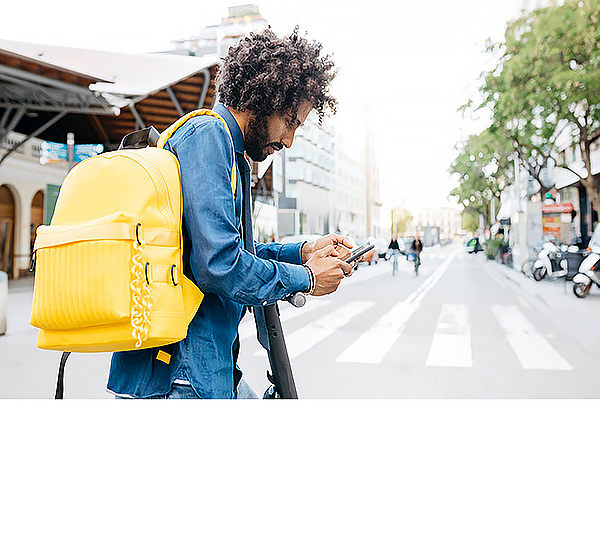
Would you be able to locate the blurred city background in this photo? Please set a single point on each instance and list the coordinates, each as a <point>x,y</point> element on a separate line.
<point>474,125</point>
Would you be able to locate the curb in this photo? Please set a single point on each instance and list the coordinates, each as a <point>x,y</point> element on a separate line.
<point>521,281</point>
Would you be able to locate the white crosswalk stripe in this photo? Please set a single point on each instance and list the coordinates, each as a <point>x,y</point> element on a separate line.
<point>532,349</point>
<point>304,338</point>
<point>451,346</point>
<point>375,343</point>
<point>247,327</point>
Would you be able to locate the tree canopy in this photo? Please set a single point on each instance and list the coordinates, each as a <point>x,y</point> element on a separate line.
<point>544,93</point>
<point>483,168</point>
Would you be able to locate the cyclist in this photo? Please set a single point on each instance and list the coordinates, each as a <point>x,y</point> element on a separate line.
<point>416,248</point>
<point>394,249</point>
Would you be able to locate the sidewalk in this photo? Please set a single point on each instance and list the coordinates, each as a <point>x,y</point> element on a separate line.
<point>578,319</point>
<point>557,294</point>
<point>29,372</point>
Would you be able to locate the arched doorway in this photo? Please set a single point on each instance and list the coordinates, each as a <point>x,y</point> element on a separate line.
<point>37,216</point>
<point>7,230</point>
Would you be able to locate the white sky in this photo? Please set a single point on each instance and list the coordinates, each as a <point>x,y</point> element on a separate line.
<point>415,62</point>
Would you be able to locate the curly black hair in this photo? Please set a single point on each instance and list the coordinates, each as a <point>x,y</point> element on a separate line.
<point>268,75</point>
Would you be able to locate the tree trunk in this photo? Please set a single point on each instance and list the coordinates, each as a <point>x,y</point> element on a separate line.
<point>590,182</point>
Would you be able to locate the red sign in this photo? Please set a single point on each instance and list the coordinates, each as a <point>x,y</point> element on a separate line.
<point>564,208</point>
<point>551,228</point>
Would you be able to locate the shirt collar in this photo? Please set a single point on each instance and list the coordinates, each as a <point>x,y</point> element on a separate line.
<point>236,133</point>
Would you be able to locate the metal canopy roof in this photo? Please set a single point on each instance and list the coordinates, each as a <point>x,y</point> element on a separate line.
<point>117,73</point>
<point>46,90</point>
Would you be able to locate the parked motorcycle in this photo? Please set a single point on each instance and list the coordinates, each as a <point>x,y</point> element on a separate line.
<point>551,261</point>
<point>589,273</point>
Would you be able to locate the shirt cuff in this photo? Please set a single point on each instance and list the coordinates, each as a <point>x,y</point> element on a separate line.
<point>297,278</point>
<point>291,253</point>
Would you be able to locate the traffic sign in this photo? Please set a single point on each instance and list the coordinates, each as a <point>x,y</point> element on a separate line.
<point>53,152</point>
<point>83,151</point>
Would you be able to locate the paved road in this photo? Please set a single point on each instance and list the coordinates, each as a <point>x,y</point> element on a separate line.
<point>464,328</point>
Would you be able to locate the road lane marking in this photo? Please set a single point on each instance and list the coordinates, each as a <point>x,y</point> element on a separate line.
<point>523,302</point>
<point>365,273</point>
<point>372,346</point>
<point>532,349</point>
<point>247,327</point>
<point>304,338</point>
<point>495,278</point>
<point>451,346</point>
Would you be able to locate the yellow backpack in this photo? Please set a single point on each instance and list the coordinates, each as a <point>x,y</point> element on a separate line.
<point>108,269</point>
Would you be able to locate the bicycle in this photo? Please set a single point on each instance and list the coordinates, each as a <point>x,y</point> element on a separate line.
<point>417,262</point>
<point>394,257</point>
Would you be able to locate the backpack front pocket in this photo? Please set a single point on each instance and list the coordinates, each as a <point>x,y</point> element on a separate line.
<point>84,274</point>
<point>82,284</point>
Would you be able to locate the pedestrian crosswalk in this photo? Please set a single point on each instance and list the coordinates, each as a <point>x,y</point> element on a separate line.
<point>452,337</point>
<point>376,342</point>
<point>451,346</point>
<point>531,348</point>
<point>247,328</point>
<point>314,332</point>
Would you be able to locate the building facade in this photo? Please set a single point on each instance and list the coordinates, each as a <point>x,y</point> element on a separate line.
<point>521,212</point>
<point>24,184</point>
<point>358,207</point>
<point>307,172</point>
<point>350,208</point>
<point>216,39</point>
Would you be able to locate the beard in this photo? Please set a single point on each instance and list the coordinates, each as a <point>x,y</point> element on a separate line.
<point>258,141</point>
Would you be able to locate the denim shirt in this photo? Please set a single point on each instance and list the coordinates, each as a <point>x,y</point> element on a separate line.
<point>214,257</point>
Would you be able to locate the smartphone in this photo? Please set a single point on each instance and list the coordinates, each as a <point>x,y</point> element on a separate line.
<point>359,251</point>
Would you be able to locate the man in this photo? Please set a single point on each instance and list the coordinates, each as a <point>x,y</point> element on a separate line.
<point>267,86</point>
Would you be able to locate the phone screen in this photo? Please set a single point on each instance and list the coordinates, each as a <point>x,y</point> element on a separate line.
<point>359,251</point>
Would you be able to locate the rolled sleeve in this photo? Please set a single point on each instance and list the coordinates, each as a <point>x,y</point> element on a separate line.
<point>290,253</point>
<point>219,262</point>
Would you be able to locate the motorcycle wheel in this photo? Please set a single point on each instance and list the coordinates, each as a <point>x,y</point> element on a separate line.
<point>581,290</point>
<point>539,273</point>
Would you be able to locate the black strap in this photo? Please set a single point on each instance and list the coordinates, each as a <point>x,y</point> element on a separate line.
<point>259,316</point>
<point>60,381</point>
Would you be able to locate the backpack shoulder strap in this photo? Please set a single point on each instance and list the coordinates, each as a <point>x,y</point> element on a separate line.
<point>162,140</point>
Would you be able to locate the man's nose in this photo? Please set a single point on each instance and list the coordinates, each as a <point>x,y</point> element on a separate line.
<point>288,140</point>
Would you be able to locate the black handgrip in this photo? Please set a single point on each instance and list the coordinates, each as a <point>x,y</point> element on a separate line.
<point>296,299</point>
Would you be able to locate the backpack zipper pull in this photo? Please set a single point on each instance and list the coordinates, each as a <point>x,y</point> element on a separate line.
<point>32,261</point>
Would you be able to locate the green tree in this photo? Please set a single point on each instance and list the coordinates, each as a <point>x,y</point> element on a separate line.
<point>483,168</point>
<point>545,88</point>
<point>401,219</point>
<point>470,222</point>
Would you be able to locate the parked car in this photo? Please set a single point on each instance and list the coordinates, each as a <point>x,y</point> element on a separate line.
<point>381,246</point>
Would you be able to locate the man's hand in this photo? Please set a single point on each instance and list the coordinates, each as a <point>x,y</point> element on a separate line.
<point>328,269</point>
<point>340,243</point>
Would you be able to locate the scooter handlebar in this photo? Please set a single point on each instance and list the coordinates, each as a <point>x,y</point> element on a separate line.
<point>296,299</point>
